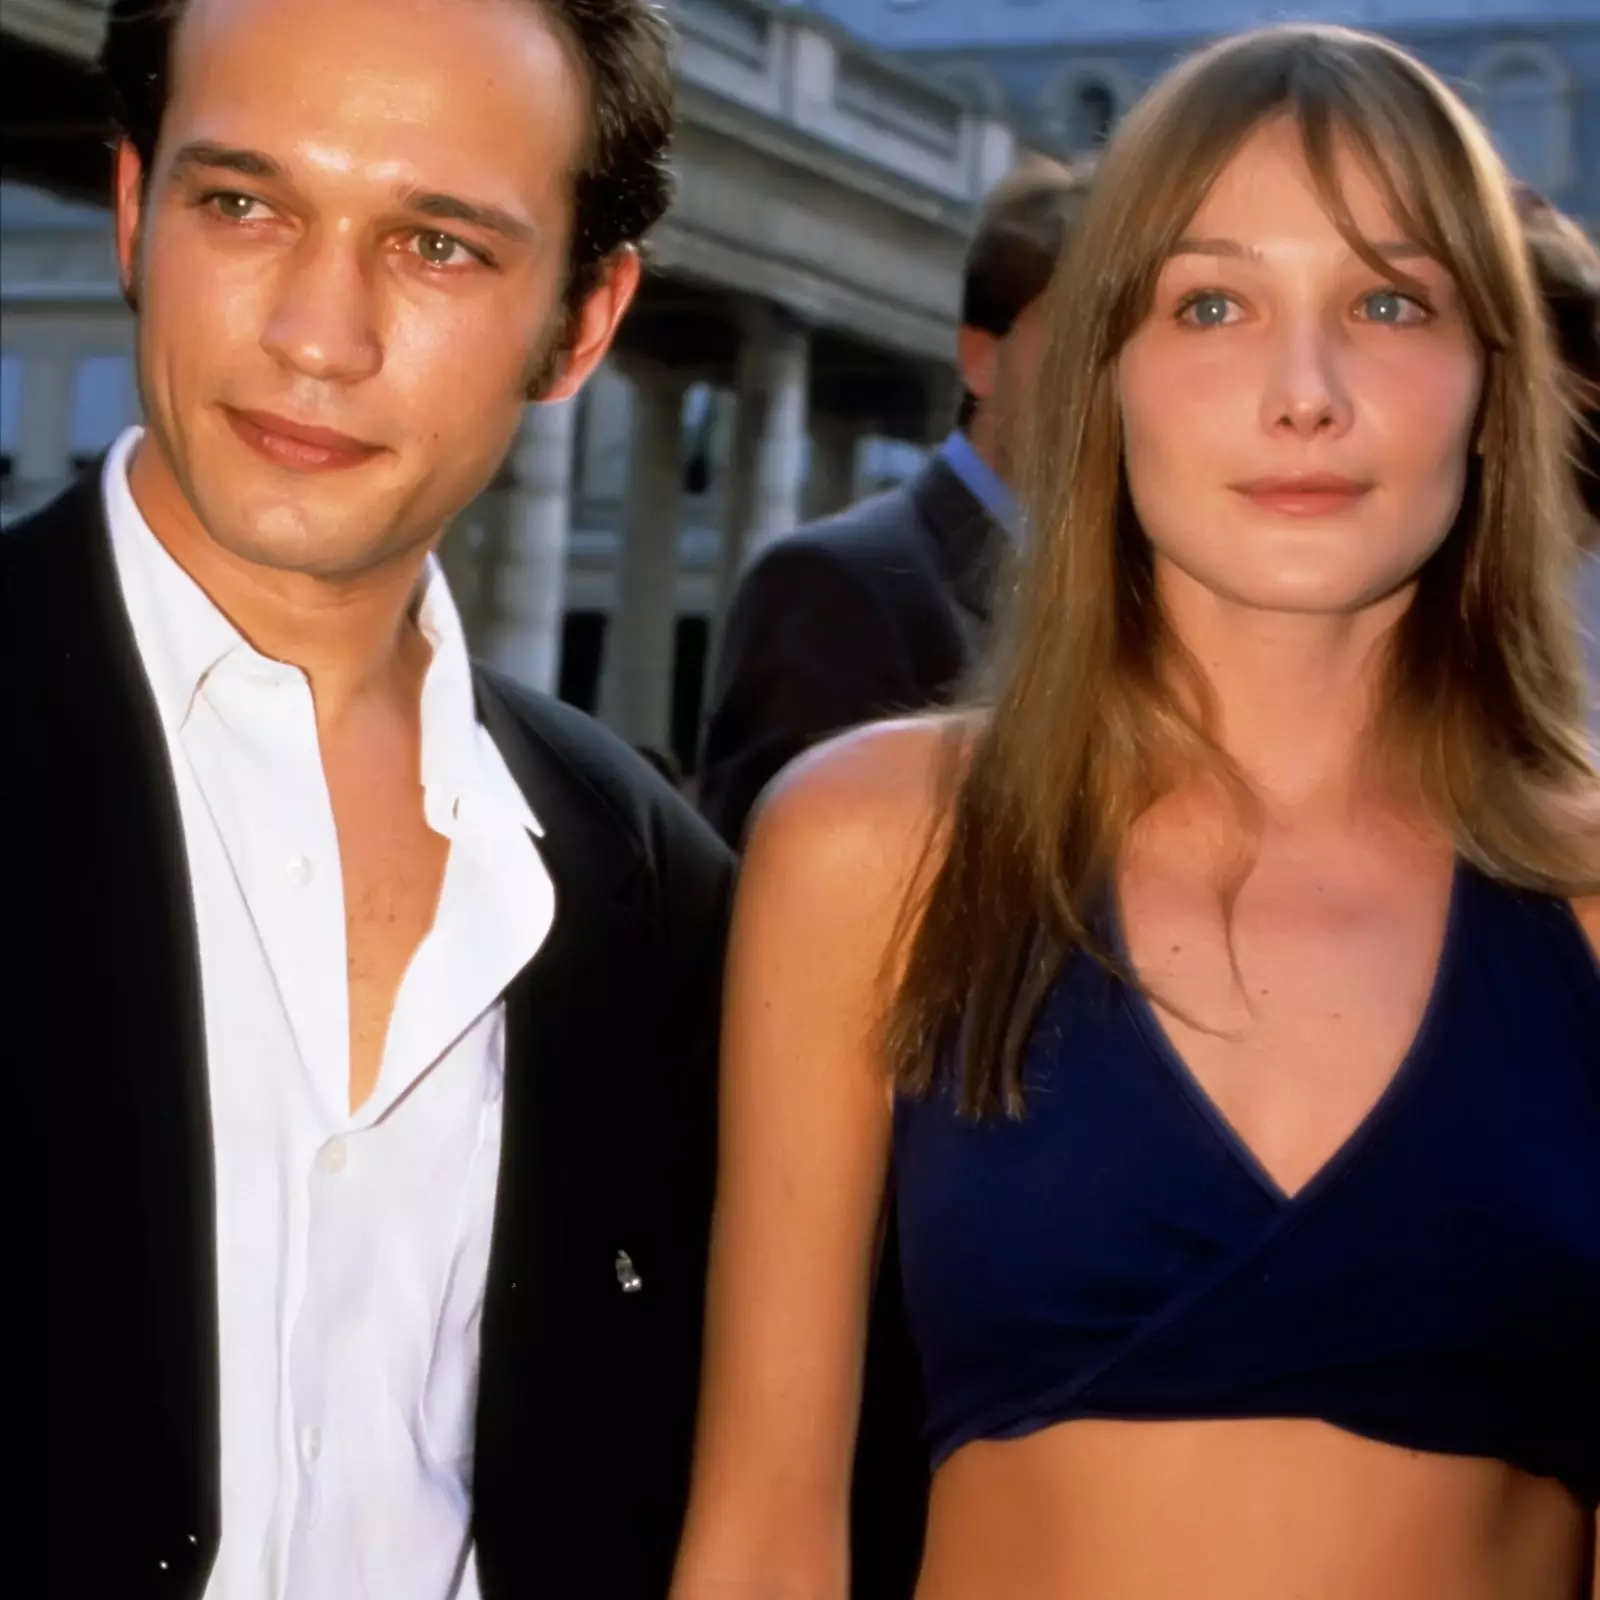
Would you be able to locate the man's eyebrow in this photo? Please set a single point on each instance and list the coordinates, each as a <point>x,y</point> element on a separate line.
<point>1389,249</point>
<point>475,213</point>
<point>248,163</point>
<point>427,203</point>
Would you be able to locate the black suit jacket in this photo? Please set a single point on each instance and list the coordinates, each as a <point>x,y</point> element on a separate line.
<point>586,1393</point>
<point>880,609</point>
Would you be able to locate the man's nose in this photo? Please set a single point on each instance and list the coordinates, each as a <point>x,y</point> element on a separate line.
<point>323,322</point>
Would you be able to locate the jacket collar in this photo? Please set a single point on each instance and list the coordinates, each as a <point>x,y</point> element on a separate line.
<point>971,545</point>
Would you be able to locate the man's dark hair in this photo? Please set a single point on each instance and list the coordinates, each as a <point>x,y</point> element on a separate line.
<point>1566,266</point>
<point>1022,230</point>
<point>623,48</point>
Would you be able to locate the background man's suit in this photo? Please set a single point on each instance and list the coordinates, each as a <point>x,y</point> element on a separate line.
<point>878,610</point>
<point>586,1392</point>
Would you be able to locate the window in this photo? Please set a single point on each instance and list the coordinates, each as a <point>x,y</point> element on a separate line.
<point>699,438</point>
<point>103,404</point>
<point>10,403</point>
<point>583,644</point>
<point>1094,109</point>
<point>10,420</point>
<point>1525,97</point>
<point>1080,102</point>
<point>884,463</point>
<point>691,645</point>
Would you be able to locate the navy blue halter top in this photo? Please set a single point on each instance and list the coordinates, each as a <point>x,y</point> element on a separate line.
<point>1118,1252</point>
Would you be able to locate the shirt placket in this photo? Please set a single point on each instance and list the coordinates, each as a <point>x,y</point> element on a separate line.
<point>259,747</point>
<point>295,884</point>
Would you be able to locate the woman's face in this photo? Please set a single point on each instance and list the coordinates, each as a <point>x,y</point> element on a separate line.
<point>1297,426</point>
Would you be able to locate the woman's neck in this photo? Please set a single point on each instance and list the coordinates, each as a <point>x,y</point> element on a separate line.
<point>1293,694</point>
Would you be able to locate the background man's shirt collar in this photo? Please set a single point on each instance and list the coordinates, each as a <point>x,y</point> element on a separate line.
<point>981,481</point>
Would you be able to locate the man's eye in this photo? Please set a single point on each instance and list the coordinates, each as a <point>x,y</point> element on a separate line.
<point>445,250</point>
<point>230,206</point>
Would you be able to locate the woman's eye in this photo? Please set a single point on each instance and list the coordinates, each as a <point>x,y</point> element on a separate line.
<point>1391,306</point>
<point>1207,310</point>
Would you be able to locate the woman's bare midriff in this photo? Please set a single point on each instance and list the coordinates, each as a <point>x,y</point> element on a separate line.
<point>1257,1510</point>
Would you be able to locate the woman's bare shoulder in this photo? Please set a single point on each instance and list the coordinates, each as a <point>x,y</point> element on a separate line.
<point>872,799</point>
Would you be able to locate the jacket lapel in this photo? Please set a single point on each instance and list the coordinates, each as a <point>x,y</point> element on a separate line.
<point>971,545</point>
<point>548,1266</point>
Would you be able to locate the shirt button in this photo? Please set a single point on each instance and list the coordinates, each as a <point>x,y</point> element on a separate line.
<point>311,1443</point>
<point>333,1157</point>
<point>298,869</point>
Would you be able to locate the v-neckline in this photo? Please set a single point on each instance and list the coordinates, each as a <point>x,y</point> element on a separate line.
<point>1159,1042</point>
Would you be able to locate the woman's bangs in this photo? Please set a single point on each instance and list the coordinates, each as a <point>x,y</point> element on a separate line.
<point>1423,164</point>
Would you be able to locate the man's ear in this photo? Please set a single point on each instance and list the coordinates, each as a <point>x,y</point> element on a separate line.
<point>977,356</point>
<point>591,327</point>
<point>127,200</point>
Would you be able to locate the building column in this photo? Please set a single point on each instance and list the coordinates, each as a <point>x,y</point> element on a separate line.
<point>44,430</point>
<point>636,680</point>
<point>526,603</point>
<point>835,443</point>
<point>767,459</point>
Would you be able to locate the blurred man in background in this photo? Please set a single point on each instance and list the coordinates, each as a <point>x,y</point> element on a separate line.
<point>883,608</point>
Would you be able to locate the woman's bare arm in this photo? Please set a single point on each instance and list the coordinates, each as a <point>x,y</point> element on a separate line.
<point>805,1138</point>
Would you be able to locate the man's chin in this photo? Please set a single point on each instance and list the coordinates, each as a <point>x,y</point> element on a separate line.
<point>289,536</point>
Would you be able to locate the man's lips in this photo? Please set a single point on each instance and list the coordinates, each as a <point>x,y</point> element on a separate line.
<point>1309,494</point>
<point>298,446</point>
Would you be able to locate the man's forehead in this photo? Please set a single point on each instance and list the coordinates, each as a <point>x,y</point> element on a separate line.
<point>390,90</point>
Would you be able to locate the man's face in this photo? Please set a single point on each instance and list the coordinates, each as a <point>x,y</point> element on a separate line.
<point>350,257</point>
<point>1018,354</point>
<point>1002,371</point>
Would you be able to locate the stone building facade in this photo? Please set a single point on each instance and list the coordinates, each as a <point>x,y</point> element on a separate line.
<point>793,344</point>
<point>1066,69</point>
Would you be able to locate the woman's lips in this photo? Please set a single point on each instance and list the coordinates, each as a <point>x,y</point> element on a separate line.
<point>297,446</point>
<point>1310,495</point>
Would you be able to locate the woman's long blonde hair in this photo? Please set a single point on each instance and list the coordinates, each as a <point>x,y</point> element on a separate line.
<point>1093,702</point>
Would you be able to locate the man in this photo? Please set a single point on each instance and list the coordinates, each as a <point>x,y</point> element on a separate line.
<point>883,608</point>
<point>368,1003</point>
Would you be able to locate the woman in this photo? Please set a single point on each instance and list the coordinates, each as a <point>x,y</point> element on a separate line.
<point>1235,972</point>
<point>1566,267</point>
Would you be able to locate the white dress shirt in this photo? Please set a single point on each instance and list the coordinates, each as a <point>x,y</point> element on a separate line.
<point>352,1247</point>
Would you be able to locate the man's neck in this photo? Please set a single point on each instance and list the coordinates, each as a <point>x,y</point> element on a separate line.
<point>979,432</point>
<point>352,635</point>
